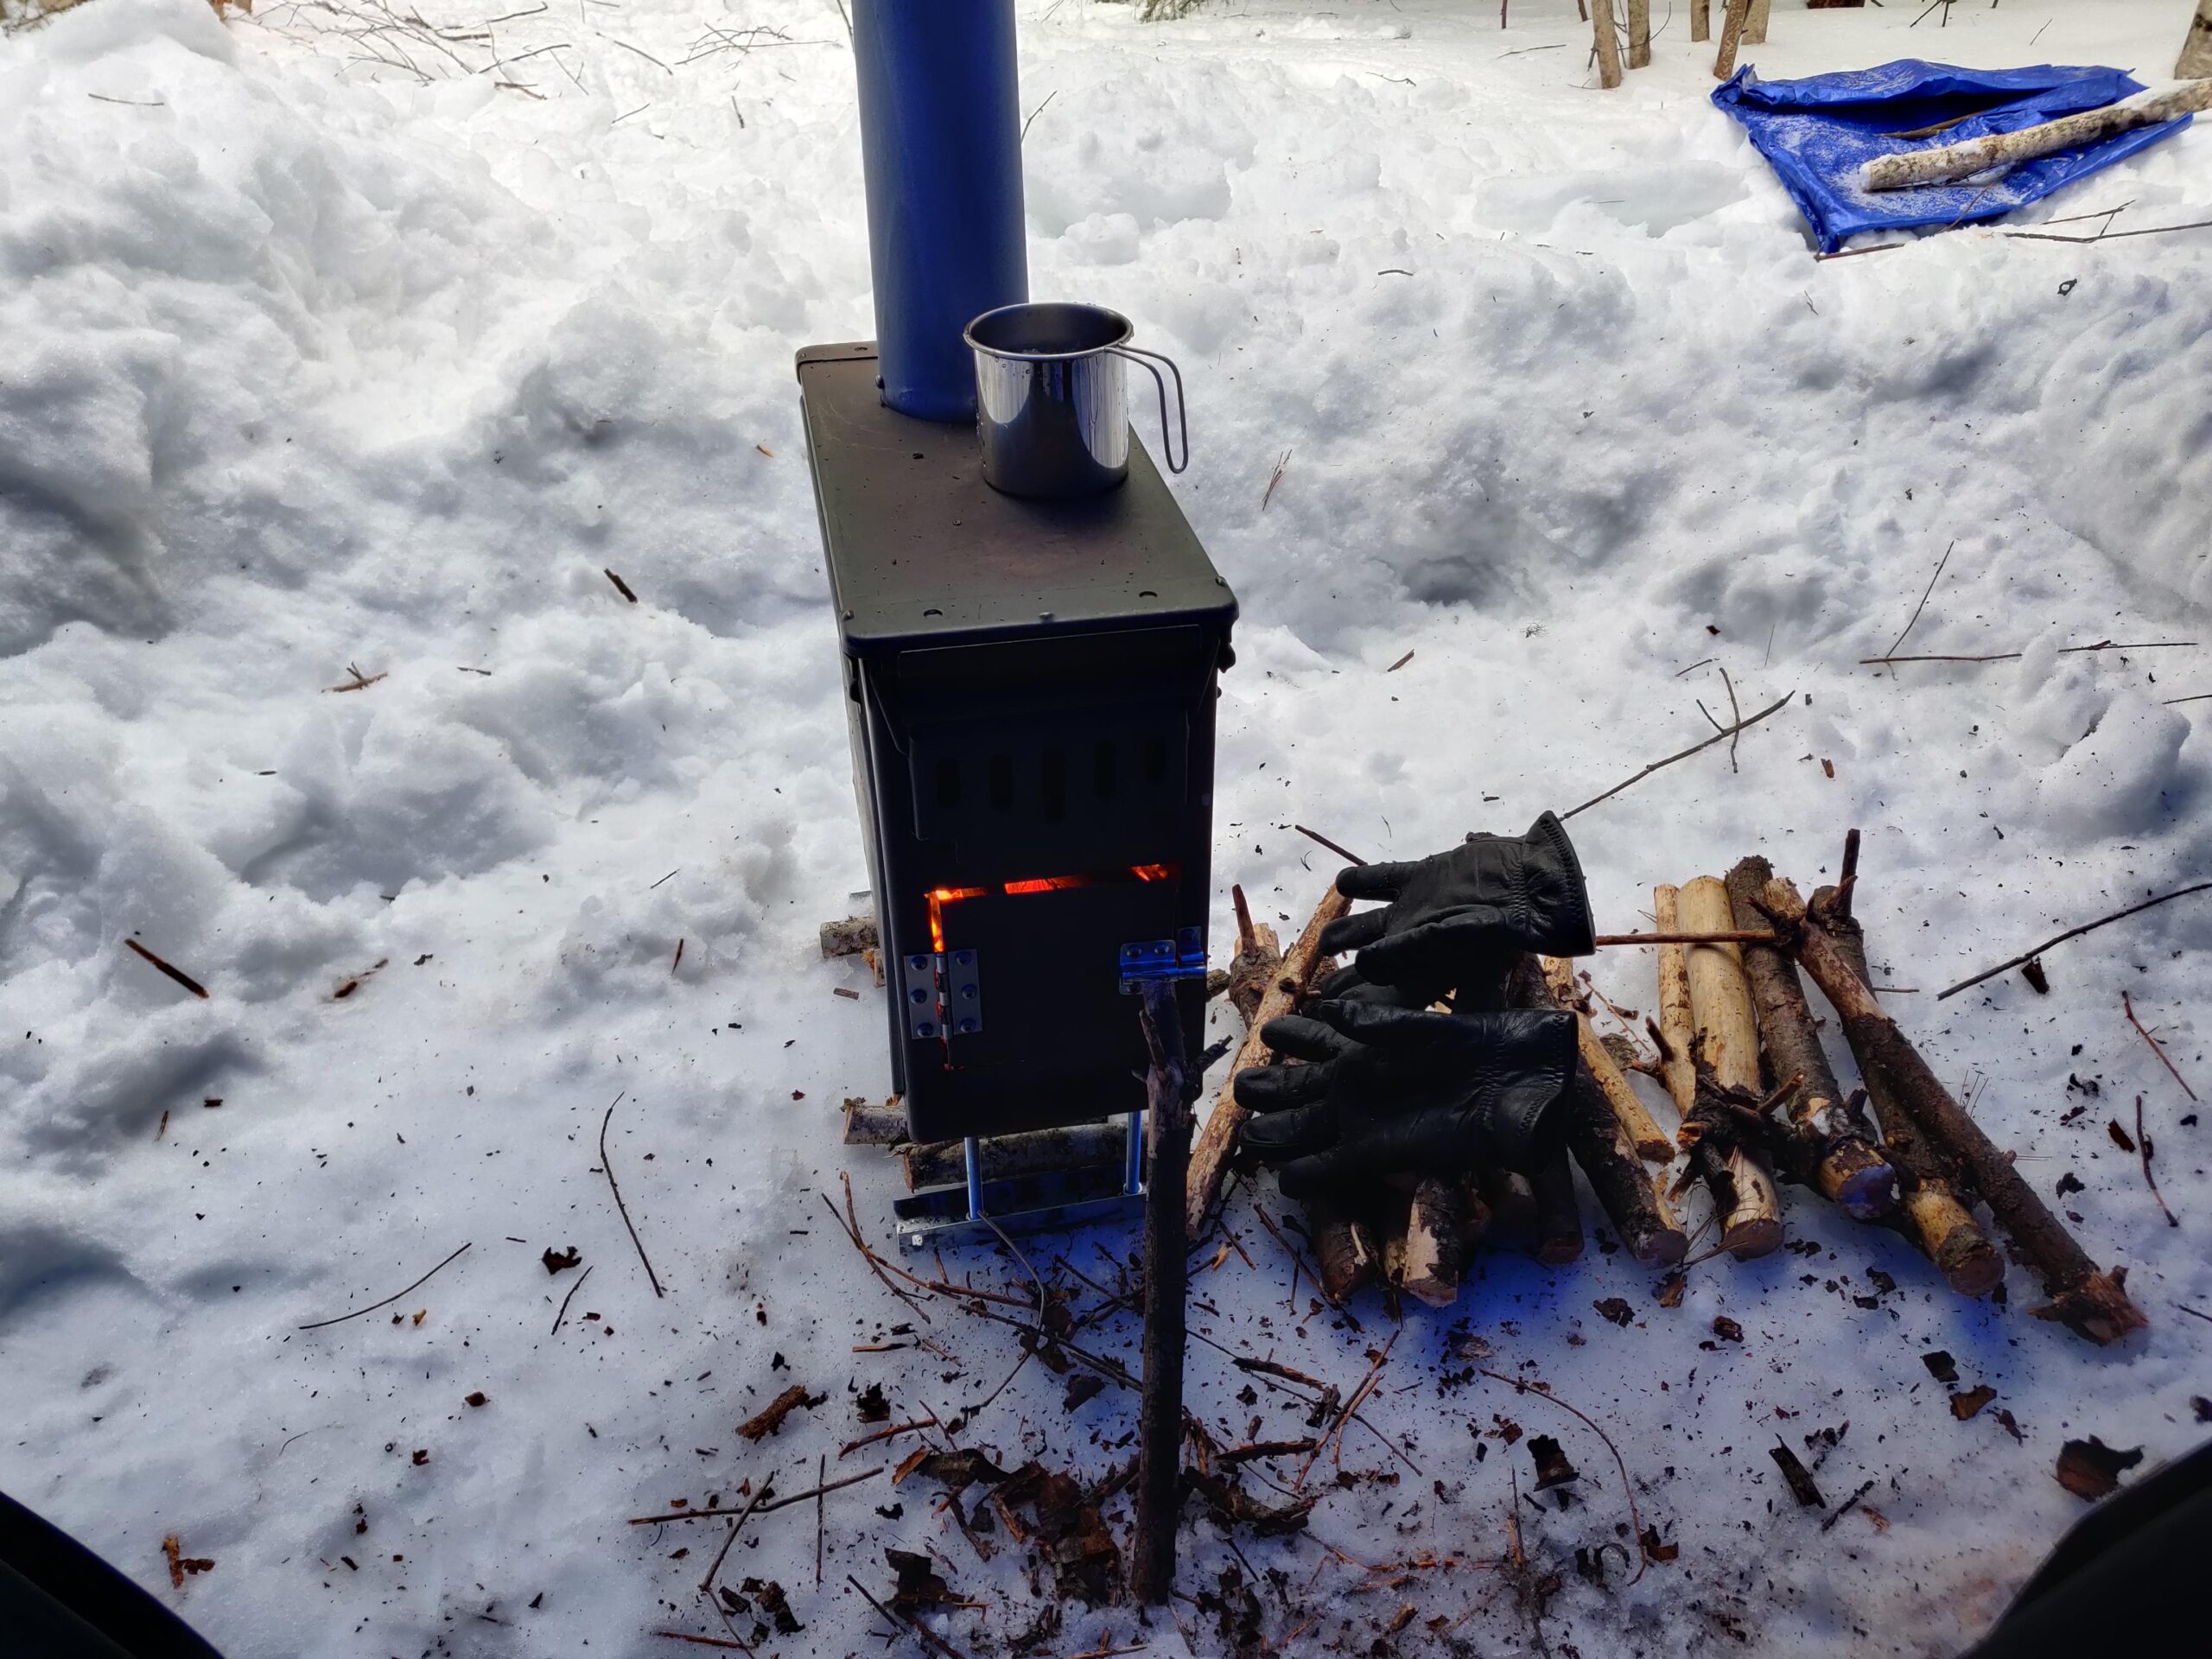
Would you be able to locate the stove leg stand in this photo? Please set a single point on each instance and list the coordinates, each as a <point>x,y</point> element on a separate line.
<point>974,1162</point>
<point>1169,1092</point>
<point>1133,1176</point>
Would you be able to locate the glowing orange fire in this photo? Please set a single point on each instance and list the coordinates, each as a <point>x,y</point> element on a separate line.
<point>941,898</point>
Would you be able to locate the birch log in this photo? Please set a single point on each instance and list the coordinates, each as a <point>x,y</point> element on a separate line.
<point>1439,1232</point>
<point>1732,36</point>
<point>1217,1139</point>
<point>1639,34</point>
<point>1641,1128</point>
<point>1947,164</point>
<point>1609,46</point>
<point>2197,48</point>
<point>1677,1028</point>
<point>1727,1041</point>
<point>2091,1302</point>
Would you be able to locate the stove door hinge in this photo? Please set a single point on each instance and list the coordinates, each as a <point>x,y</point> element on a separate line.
<point>1183,957</point>
<point>943,993</point>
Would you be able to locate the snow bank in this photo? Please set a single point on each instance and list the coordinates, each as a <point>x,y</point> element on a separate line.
<point>329,392</point>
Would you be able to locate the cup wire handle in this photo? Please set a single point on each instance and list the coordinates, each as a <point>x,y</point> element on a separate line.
<point>1138,355</point>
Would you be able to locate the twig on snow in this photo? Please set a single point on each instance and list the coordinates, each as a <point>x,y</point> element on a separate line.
<point>2143,1145</point>
<point>620,586</point>
<point>2143,1032</point>
<point>1628,1487</point>
<point>390,1299</point>
<point>176,973</point>
<point>1741,725</point>
<point>931,1639</point>
<point>565,1300</point>
<point>2014,656</point>
<point>608,1168</point>
<point>1922,605</point>
<point>2070,933</point>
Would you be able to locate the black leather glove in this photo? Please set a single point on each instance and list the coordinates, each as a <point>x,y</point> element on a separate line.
<point>1397,1090</point>
<point>1460,919</point>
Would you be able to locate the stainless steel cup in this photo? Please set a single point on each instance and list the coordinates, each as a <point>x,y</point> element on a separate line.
<point>1053,402</point>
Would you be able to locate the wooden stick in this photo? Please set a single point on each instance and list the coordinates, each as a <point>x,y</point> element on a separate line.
<point>1559,1217</point>
<point>1700,20</point>
<point>1946,163</point>
<point>1028,1152</point>
<point>1437,1242</point>
<point>2070,933</point>
<point>936,1643</point>
<point>607,1165</point>
<point>176,973</point>
<point>1159,1414</point>
<point>1721,736</point>
<point>1217,1141</point>
<point>1609,47</point>
<point>1731,34</point>
<point>1676,1030</point>
<point>395,1296</point>
<point>1344,1250</point>
<point>1641,1130</point>
<point>1511,1197</point>
<point>1755,21</point>
<point>2063,650</point>
<point>1720,1001</point>
<point>867,1124</point>
<point>1633,1200</point>
<point>1937,1215</point>
<point>1840,1148</point>
<point>1257,963</point>
<point>2090,1302</point>
<point>2196,46</point>
<point>1639,34</point>
<point>1721,936</point>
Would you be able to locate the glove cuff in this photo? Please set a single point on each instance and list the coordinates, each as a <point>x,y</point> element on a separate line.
<point>1535,1061</point>
<point>1551,906</point>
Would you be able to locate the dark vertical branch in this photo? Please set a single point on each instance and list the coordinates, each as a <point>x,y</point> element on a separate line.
<point>1168,1094</point>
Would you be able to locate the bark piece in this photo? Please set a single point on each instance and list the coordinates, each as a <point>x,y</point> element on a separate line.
<point>1835,1147</point>
<point>1641,1130</point>
<point>2196,46</point>
<point>1609,46</point>
<point>1634,1200</point>
<point>1946,163</point>
<point>1727,1043</point>
<point>2088,1301</point>
<point>1439,1239</point>
<point>1029,1151</point>
<point>867,1124</point>
<point>771,1417</point>
<point>1160,1413</point>
<point>2091,1469</point>
<point>848,937</point>
<point>1210,1153</point>
<point>1344,1250</point>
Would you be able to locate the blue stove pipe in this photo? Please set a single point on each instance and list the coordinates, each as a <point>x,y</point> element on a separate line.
<point>941,144</point>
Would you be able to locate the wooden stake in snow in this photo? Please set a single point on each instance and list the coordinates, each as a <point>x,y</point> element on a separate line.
<point>1159,1415</point>
<point>1700,20</point>
<point>1217,1139</point>
<point>1639,34</point>
<point>2091,1302</point>
<point>2196,47</point>
<point>1755,23</point>
<point>1727,1041</point>
<point>1609,47</point>
<point>1947,164</point>
<point>1732,36</point>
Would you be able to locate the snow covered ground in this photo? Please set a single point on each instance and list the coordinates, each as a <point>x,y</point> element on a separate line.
<point>313,363</point>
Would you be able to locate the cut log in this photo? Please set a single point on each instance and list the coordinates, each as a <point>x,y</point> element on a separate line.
<point>1677,1027</point>
<point>1559,1216</point>
<point>1633,1200</point>
<point>1160,1411</point>
<point>1732,36</point>
<point>1210,1154</point>
<point>2196,46</point>
<point>1641,1128</point>
<point>1700,20</point>
<point>1438,1238</point>
<point>1609,46</point>
<point>848,937</point>
<point>1947,164</point>
<point>1346,1253</point>
<point>1511,1200</point>
<point>2092,1303</point>
<point>1833,1148</point>
<point>867,1124</point>
<point>1755,21</point>
<point>1727,1041</point>
<point>1257,961</point>
<point>1031,1152</point>
<point>1937,1215</point>
<point>1639,34</point>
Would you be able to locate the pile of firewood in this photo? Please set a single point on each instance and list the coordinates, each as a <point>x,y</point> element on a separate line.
<point>1739,1055</point>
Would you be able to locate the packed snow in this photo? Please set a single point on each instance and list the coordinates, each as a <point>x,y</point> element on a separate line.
<point>343,350</point>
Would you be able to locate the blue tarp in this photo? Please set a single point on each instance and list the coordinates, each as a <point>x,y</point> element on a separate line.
<point>1817,132</point>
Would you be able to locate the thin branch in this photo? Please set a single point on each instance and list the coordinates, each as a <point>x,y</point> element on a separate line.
<point>931,1639</point>
<point>1628,1487</point>
<point>608,1167</point>
<point>706,1584</point>
<point>2143,1145</point>
<point>1724,935</point>
<point>1315,835</point>
<point>2143,1032</point>
<point>2014,656</point>
<point>390,1299</point>
<point>1773,707</point>
<point>176,973</point>
<point>2110,236</point>
<point>1922,605</point>
<point>2071,933</point>
<point>566,1299</point>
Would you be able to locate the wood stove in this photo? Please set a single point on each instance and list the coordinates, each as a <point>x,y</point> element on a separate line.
<point>1030,689</point>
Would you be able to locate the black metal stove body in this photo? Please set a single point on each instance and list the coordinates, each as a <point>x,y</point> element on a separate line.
<point>1031,690</point>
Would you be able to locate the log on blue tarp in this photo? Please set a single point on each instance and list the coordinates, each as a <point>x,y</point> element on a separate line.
<point>1816,133</point>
